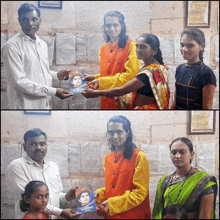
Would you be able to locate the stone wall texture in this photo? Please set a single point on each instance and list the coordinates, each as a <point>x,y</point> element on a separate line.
<point>77,143</point>
<point>74,36</point>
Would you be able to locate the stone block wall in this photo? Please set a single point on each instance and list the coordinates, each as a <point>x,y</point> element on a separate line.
<point>80,52</point>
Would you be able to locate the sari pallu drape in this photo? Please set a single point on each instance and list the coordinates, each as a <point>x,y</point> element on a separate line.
<point>158,79</point>
<point>192,189</point>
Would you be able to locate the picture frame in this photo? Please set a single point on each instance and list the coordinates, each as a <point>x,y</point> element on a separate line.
<point>26,112</point>
<point>50,4</point>
<point>197,14</point>
<point>201,122</point>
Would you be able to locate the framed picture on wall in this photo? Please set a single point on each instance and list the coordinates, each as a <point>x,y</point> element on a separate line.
<point>26,112</point>
<point>201,122</point>
<point>50,4</point>
<point>197,14</point>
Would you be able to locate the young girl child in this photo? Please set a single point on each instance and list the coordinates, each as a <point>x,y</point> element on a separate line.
<point>195,82</point>
<point>34,200</point>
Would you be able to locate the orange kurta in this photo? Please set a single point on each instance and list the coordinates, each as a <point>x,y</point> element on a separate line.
<point>116,61</point>
<point>126,186</point>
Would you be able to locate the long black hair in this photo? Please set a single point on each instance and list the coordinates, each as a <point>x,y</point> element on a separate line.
<point>154,42</point>
<point>30,188</point>
<point>122,37</point>
<point>196,35</point>
<point>129,145</point>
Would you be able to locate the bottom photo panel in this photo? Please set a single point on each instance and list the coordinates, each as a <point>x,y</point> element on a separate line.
<point>109,164</point>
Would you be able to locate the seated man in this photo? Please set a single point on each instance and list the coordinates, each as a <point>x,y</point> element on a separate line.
<point>34,166</point>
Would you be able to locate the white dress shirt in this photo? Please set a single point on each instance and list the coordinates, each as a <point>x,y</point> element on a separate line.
<point>29,78</point>
<point>23,170</point>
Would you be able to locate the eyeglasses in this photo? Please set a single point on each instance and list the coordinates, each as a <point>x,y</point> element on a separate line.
<point>110,25</point>
<point>111,133</point>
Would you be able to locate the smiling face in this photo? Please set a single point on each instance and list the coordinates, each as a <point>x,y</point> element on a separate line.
<point>113,27</point>
<point>84,198</point>
<point>144,50</point>
<point>190,49</point>
<point>39,199</point>
<point>117,135</point>
<point>76,81</point>
<point>36,148</point>
<point>30,23</point>
<point>180,154</point>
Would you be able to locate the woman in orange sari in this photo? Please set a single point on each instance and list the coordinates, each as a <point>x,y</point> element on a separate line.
<point>150,86</point>
<point>118,59</point>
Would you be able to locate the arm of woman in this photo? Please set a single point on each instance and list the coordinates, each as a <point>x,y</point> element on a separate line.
<point>173,106</point>
<point>131,86</point>
<point>208,94</point>
<point>132,198</point>
<point>206,206</point>
<point>132,67</point>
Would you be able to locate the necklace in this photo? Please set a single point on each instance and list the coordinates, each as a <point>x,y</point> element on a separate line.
<point>184,177</point>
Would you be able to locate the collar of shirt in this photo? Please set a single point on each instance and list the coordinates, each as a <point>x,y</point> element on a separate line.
<point>26,37</point>
<point>30,161</point>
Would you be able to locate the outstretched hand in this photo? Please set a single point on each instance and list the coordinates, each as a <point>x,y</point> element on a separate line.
<point>71,194</point>
<point>90,93</point>
<point>63,74</point>
<point>63,94</point>
<point>95,83</point>
<point>103,207</point>
<point>70,214</point>
<point>89,78</point>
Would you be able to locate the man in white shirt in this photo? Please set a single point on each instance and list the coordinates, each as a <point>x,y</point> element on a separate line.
<point>26,64</point>
<point>35,167</point>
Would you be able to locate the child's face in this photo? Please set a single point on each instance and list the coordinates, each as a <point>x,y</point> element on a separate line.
<point>76,81</point>
<point>84,198</point>
<point>190,49</point>
<point>169,216</point>
<point>40,198</point>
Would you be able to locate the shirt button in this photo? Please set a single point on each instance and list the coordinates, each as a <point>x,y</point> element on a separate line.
<point>113,186</point>
<point>113,173</point>
<point>115,161</point>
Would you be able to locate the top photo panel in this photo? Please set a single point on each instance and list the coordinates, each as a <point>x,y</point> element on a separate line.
<point>109,55</point>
